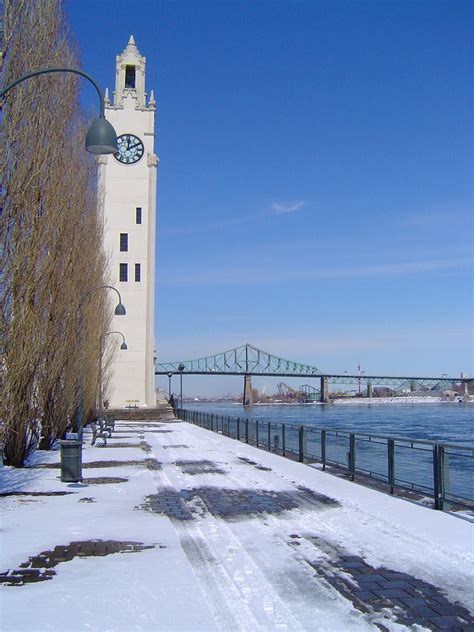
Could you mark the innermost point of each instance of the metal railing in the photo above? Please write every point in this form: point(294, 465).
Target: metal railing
point(443, 471)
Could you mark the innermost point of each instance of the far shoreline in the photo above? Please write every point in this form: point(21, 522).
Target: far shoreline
point(353, 401)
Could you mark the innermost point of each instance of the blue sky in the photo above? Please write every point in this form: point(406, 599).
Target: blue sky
point(315, 178)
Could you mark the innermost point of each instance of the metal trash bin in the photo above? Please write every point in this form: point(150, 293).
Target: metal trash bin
point(71, 460)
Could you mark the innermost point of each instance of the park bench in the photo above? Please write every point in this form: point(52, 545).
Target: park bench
point(99, 431)
point(102, 428)
point(132, 403)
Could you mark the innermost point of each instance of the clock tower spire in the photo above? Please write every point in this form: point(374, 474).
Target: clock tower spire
point(128, 197)
point(130, 77)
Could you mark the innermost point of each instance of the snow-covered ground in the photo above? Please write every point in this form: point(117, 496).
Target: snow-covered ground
point(216, 572)
point(429, 399)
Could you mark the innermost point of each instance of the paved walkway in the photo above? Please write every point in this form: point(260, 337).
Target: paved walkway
point(268, 545)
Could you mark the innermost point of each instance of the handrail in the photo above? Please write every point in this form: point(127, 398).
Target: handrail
point(437, 456)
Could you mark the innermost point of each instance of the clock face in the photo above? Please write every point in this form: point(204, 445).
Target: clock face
point(130, 149)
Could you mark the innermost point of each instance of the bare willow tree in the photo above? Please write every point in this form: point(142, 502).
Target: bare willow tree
point(51, 236)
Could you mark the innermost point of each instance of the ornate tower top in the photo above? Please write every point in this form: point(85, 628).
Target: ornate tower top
point(130, 78)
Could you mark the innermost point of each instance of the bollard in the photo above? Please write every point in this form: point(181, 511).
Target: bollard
point(71, 460)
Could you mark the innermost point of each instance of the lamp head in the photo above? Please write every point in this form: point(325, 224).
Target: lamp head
point(120, 310)
point(101, 137)
point(170, 375)
point(181, 368)
point(123, 346)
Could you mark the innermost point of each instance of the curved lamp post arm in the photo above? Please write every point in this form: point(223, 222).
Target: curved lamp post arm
point(112, 332)
point(80, 309)
point(101, 137)
point(101, 351)
point(99, 287)
point(44, 71)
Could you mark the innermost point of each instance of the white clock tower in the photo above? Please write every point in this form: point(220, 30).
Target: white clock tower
point(128, 196)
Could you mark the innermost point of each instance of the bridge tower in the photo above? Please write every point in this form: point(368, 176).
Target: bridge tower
point(324, 389)
point(248, 392)
point(128, 197)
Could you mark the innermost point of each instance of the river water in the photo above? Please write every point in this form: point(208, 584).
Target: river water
point(445, 422)
point(448, 421)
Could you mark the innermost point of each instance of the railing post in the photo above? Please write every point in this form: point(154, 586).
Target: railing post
point(256, 432)
point(238, 428)
point(352, 455)
point(283, 440)
point(438, 478)
point(246, 431)
point(276, 443)
point(391, 464)
point(323, 448)
point(269, 437)
point(301, 444)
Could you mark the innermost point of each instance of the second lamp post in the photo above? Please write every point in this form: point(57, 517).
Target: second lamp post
point(123, 347)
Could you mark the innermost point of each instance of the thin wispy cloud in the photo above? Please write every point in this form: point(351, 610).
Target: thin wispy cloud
point(194, 229)
point(436, 218)
point(235, 276)
point(282, 208)
point(277, 208)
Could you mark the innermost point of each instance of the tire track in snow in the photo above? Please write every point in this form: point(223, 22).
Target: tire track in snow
point(237, 591)
point(291, 593)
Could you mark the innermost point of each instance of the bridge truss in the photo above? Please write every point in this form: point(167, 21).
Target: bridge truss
point(244, 360)
point(249, 360)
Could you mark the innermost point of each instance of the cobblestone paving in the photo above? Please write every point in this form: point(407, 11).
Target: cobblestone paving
point(262, 468)
point(385, 593)
point(232, 503)
point(120, 435)
point(199, 467)
point(19, 493)
point(122, 445)
point(40, 567)
point(176, 445)
point(104, 480)
point(149, 463)
point(102, 464)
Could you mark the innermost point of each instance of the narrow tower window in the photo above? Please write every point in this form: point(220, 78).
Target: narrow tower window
point(138, 215)
point(137, 272)
point(123, 242)
point(123, 272)
point(130, 77)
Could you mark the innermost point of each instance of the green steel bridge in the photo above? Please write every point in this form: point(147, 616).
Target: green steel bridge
point(248, 360)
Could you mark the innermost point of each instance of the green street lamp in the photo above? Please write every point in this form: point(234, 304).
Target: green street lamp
point(71, 449)
point(123, 347)
point(119, 311)
point(101, 137)
point(170, 375)
point(181, 368)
